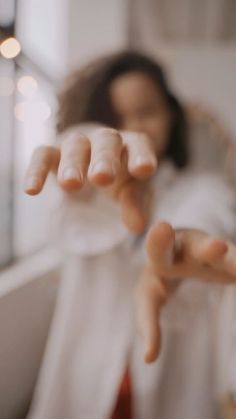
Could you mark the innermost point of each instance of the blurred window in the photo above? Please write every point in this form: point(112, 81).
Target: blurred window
point(27, 106)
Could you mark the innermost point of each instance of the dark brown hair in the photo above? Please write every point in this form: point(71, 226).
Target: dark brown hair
point(86, 98)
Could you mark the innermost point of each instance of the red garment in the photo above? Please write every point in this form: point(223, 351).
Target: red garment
point(123, 407)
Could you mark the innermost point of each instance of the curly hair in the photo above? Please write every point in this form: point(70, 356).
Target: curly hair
point(86, 98)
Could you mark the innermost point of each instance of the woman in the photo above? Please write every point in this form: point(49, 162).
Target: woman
point(117, 120)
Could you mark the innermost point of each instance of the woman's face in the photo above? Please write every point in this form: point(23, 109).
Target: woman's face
point(140, 106)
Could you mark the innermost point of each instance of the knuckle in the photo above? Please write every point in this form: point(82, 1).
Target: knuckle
point(76, 154)
point(103, 153)
point(110, 136)
point(103, 131)
point(43, 151)
point(144, 139)
point(142, 136)
point(73, 141)
point(70, 161)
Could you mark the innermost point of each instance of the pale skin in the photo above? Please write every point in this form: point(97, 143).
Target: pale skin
point(120, 162)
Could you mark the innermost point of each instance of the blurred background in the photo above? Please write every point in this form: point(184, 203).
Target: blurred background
point(40, 42)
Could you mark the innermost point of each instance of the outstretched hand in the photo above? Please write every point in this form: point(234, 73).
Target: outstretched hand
point(174, 255)
point(116, 161)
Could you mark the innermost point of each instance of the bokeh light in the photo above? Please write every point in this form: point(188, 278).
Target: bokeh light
point(27, 86)
point(10, 48)
point(32, 111)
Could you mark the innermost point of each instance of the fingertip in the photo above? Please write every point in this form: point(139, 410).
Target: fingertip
point(161, 234)
point(143, 168)
point(33, 185)
point(214, 249)
point(149, 358)
point(151, 354)
point(162, 229)
point(220, 246)
point(152, 343)
point(70, 179)
point(31, 192)
point(103, 172)
point(101, 179)
point(70, 185)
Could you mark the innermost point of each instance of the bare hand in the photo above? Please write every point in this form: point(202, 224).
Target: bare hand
point(173, 255)
point(118, 162)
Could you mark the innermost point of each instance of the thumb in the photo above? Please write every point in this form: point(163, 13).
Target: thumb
point(150, 296)
point(134, 206)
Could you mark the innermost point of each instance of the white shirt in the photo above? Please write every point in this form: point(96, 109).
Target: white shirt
point(93, 336)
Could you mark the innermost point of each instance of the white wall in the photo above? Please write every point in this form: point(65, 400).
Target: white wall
point(201, 65)
point(96, 27)
point(60, 34)
point(205, 75)
point(6, 12)
point(42, 29)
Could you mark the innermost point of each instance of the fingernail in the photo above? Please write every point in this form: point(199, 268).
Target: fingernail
point(101, 167)
point(71, 173)
point(141, 161)
point(33, 182)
